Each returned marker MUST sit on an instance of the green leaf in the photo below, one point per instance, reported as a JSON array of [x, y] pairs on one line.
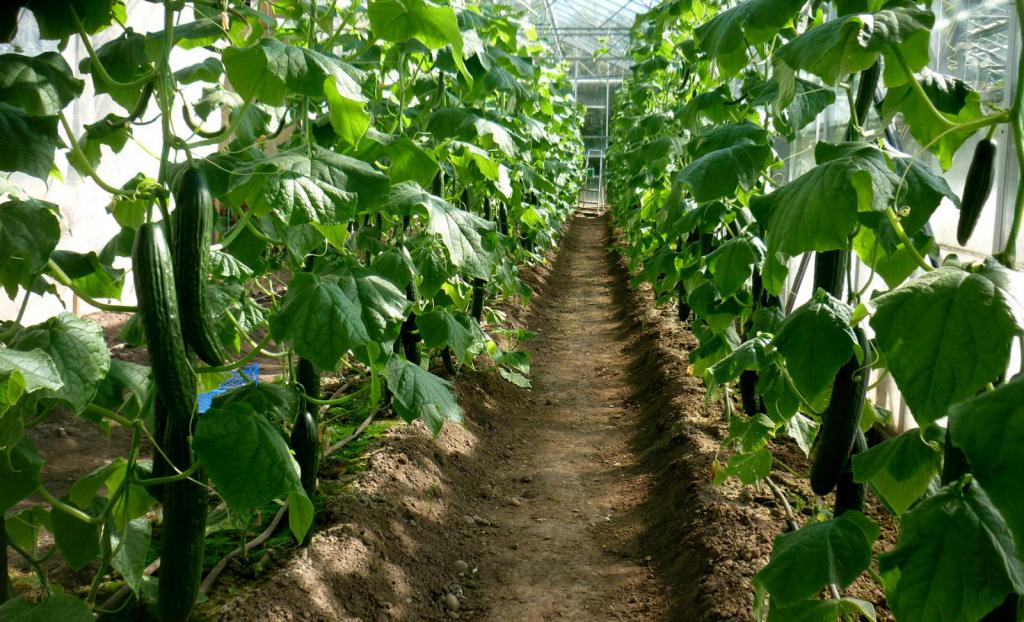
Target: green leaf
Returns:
[[326, 316], [346, 111], [124, 388], [946, 334], [406, 160], [820, 209], [852, 43], [56, 20], [816, 340], [77, 540], [276, 402], [41, 85], [25, 372], [728, 35], [894, 266], [321, 190], [440, 328], [300, 514], [420, 394], [245, 457], [467, 125], [823, 611], [270, 71], [209, 70], [749, 355], [989, 429], [748, 468], [803, 562], [89, 275], [79, 352], [401, 20], [466, 236], [125, 60], [719, 173], [733, 263], [954, 560], [899, 469], [802, 430], [27, 143], [130, 548], [29, 231], [63, 607], [19, 473], [955, 99]]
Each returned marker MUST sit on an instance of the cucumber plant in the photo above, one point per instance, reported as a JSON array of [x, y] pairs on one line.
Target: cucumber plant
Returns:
[[300, 204], [716, 103]]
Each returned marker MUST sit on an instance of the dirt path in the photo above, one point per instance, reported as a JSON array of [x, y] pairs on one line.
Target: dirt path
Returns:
[[569, 547]]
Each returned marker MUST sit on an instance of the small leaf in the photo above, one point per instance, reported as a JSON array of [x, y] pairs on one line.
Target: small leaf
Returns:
[[300, 514], [748, 468], [77, 540], [899, 469], [346, 111], [19, 473], [420, 394], [129, 552], [823, 611], [733, 263], [29, 232], [816, 340], [440, 328]]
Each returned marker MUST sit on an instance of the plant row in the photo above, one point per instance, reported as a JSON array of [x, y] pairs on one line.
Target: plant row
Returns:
[[697, 185], [345, 189]]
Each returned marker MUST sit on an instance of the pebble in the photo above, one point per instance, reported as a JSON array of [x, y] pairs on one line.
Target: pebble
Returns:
[[526, 479], [483, 522], [516, 501], [451, 601], [461, 566], [468, 520]]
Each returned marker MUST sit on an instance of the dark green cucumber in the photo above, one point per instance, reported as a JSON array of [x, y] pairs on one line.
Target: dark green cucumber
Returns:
[[850, 495], [748, 392], [184, 502], [308, 378], [193, 228], [840, 421], [305, 443], [976, 189], [409, 336], [865, 97], [830, 271], [502, 219], [449, 362]]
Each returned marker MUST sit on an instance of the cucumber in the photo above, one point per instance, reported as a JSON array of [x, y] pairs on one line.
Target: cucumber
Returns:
[[748, 392], [193, 227], [184, 502], [308, 378], [502, 219], [976, 189], [865, 97], [409, 336], [830, 271], [849, 494], [839, 423], [305, 444]]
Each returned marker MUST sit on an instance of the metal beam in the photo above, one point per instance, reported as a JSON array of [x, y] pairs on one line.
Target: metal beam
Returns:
[[554, 28]]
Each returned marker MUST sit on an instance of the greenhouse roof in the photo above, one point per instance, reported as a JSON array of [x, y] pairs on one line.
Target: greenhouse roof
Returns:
[[579, 28]]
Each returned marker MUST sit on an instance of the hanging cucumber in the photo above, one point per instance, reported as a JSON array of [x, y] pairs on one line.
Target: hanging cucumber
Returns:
[[193, 228], [502, 219], [305, 444], [748, 392], [684, 307], [866, 89], [184, 502], [830, 271], [976, 189], [850, 495], [839, 422]]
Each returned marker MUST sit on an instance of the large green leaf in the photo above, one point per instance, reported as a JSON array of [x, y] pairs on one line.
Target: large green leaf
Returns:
[[79, 352], [63, 607], [245, 457], [955, 99], [346, 111], [125, 60], [803, 562], [733, 262], [25, 372], [900, 468], [406, 160], [29, 231], [323, 189], [946, 334], [57, 19], [270, 71], [816, 340], [77, 540], [468, 125], [325, 316], [439, 328], [852, 43], [989, 429], [41, 85], [401, 20], [89, 275], [276, 402], [468, 238], [955, 559], [819, 210], [421, 395], [27, 143], [830, 610], [728, 35], [19, 473], [718, 174]]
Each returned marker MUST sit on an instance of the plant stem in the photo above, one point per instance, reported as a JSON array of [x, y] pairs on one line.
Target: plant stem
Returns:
[[901, 233], [96, 66], [240, 362], [226, 132], [76, 151], [918, 89], [62, 278], [1008, 256], [70, 510], [44, 582], [167, 479]]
